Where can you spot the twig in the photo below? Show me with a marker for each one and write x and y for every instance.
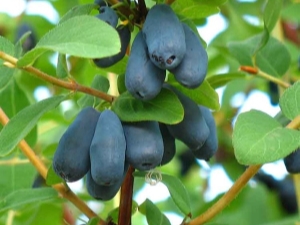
(255, 71)
(126, 199)
(236, 187)
(55, 81)
(42, 169)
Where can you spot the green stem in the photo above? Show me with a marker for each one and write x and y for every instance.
(273, 79)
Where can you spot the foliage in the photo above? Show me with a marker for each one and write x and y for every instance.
(243, 57)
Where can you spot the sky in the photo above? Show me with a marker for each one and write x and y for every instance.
(217, 174)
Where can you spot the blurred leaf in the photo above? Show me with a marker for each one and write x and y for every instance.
(52, 178)
(204, 95)
(153, 214)
(271, 15)
(290, 101)
(273, 59)
(6, 73)
(23, 197)
(220, 80)
(15, 176)
(121, 83)
(78, 10)
(13, 100)
(62, 67)
(291, 13)
(23, 122)
(165, 108)
(258, 138)
(100, 83)
(178, 193)
(81, 36)
(196, 9)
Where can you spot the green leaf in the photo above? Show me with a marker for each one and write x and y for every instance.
(22, 123)
(52, 177)
(6, 73)
(273, 59)
(271, 15)
(15, 177)
(220, 80)
(204, 95)
(153, 214)
(196, 9)
(100, 83)
(291, 13)
(62, 68)
(81, 36)
(258, 138)
(290, 101)
(121, 83)
(13, 100)
(23, 197)
(178, 193)
(165, 108)
(78, 10)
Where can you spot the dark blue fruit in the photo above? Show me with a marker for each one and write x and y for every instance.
(169, 144)
(144, 150)
(211, 144)
(108, 15)
(192, 70)
(104, 192)
(107, 152)
(143, 79)
(192, 130)
(30, 41)
(124, 34)
(72, 157)
(164, 36)
(292, 162)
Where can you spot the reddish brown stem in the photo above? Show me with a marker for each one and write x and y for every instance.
(126, 199)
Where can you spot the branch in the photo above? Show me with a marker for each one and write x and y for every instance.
(126, 199)
(11, 62)
(259, 73)
(42, 169)
(232, 193)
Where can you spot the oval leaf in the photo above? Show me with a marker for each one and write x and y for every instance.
(273, 59)
(165, 108)
(178, 193)
(22, 123)
(258, 138)
(82, 36)
(153, 215)
(290, 101)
